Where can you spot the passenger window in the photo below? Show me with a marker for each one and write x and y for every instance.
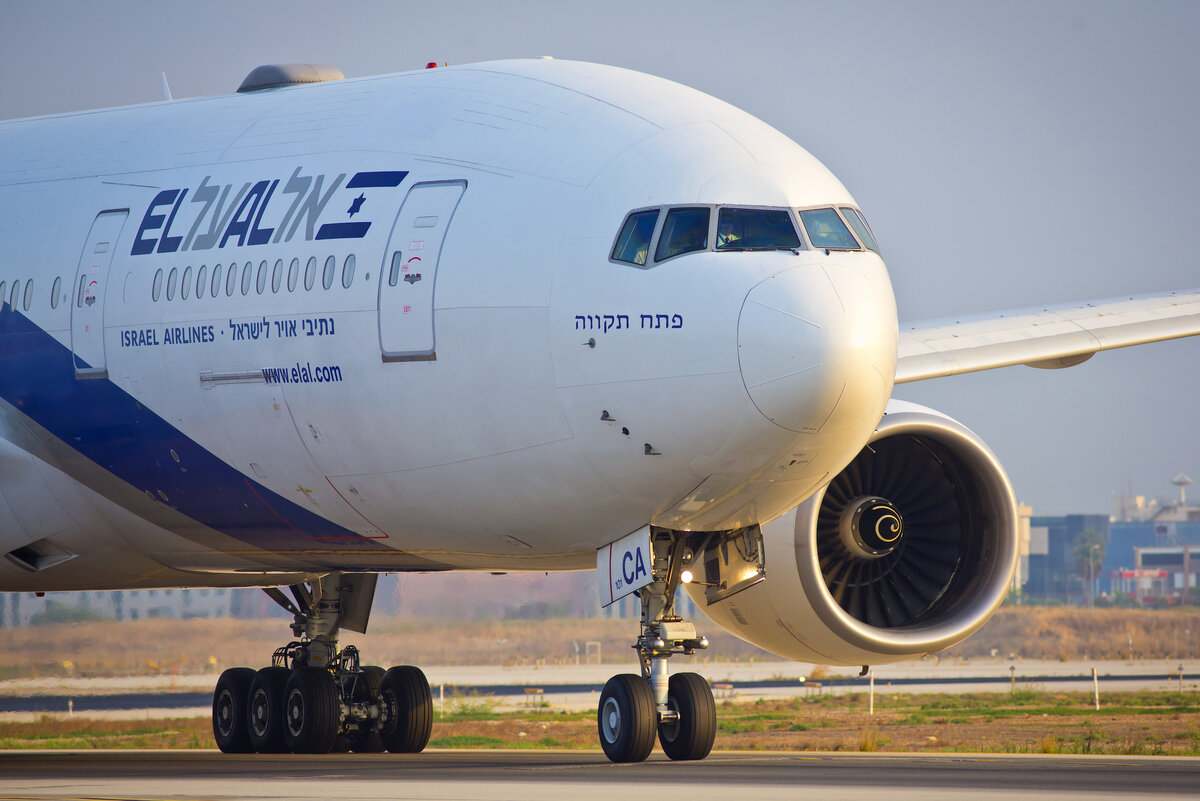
(215, 289)
(348, 271)
(247, 277)
(231, 279)
(28, 294)
(172, 279)
(859, 223)
(685, 231)
(4, 285)
(201, 281)
(327, 276)
(310, 272)
(394, 273)
(55, 291)
(261, 285)
(187, 282)
(277, 275)
(155, 292)
(756, 229)
(633, 243)
(826, 230)
(293, 274)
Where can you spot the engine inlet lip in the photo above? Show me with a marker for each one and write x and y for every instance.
(870, 527)
(954, 624)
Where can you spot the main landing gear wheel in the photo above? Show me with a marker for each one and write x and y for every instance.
(404, 694)
(365, 738)
(229, 711)
(690, 735)
(626, 718)
(265, 713)
(311, 711)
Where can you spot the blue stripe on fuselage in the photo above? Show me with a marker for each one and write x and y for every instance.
(366, 180)
(110, 427)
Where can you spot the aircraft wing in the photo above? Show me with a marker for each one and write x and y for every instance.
(1048, 337)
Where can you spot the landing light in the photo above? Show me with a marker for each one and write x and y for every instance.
(686, 577)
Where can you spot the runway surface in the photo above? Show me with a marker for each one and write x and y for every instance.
(584, 775)
(578, 688)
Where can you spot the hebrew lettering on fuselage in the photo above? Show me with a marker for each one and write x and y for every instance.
(617, 322)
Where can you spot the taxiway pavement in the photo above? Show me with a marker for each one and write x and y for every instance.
(587, 775)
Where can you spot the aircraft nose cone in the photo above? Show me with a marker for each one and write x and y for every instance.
(817, 347)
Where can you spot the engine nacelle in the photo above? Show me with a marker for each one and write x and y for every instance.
(906, 552)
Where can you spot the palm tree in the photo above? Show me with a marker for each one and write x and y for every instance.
(1088, 546)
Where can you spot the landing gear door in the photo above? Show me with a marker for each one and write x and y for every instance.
(408, 277)
(91, 287)
(732, 562)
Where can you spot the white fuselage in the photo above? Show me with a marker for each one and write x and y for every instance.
(508, 397)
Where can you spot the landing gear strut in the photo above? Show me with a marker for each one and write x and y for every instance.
(679, 708)
(315, 698)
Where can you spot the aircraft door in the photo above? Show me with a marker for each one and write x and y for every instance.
(91, 287)
(406, 282)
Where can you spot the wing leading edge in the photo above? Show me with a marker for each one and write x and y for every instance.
(1047, 337)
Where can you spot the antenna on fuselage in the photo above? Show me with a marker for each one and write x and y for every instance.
(166, 87)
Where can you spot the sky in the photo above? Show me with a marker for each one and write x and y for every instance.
(1007, 155)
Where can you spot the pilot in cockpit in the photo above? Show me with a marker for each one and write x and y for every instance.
(726, 236)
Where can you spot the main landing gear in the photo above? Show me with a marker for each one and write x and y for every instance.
(680, 708)
(315, 699)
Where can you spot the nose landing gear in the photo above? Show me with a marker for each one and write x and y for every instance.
(679, 708)
(314, 699)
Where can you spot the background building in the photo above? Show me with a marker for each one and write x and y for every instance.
(23, 609)
(1053, 574)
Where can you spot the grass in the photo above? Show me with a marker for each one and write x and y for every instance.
(467, 741)
(1029, 721)
(79, 733)
(469, 707)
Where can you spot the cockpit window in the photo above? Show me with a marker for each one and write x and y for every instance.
(684, 231)
(859, 223)
(826, 230)
(633, 243)
(755, 229)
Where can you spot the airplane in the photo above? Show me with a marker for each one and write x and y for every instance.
(522, 315)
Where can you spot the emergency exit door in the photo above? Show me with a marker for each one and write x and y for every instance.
(91, 287)
(408, 277)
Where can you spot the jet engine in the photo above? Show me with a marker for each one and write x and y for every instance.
(905, 552)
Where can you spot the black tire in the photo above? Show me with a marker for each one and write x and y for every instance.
(311, 711)
(229, 710)
(365, 739)
(626, 718)
(404, 694)
(264, 711)
(691, 735)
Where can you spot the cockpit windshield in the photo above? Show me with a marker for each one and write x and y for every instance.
(859, 223)
(756, 229)
(826, 230)
(648, 237)
(633, 243)
(684, 231)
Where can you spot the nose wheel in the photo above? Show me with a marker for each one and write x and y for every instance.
(691, 733)
(627, 718)
(679, 708)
